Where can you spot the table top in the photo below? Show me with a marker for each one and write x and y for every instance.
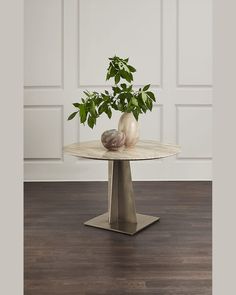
(143, 150)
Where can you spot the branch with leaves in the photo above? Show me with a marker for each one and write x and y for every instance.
(122, 98)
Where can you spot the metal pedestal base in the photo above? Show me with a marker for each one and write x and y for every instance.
(128, 228)
(121, 216)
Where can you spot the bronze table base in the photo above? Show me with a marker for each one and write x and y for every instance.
(121, 216)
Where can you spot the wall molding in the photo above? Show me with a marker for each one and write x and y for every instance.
(177, 107)
(49, 160)
(178, 84)
(61, 86)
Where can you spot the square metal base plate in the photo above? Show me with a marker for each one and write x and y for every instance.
(143, 221)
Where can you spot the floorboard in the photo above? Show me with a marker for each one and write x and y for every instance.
(64, 257)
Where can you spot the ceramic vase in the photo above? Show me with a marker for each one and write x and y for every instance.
(130, 127)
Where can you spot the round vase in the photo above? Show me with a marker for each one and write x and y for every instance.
(130, 127)
(113, 139)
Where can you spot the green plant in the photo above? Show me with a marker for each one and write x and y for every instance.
(123, 97)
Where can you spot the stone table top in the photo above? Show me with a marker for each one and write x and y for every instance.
(143, 150)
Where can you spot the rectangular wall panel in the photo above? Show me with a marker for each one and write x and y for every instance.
(43, 43)
(151, 124)
(125, 28)
(194, 131)
(194, 48)
(43, 137)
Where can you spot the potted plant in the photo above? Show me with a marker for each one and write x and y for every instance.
(122, 98)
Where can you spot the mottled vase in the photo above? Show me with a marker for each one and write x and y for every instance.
(113, 139)
(129, 125)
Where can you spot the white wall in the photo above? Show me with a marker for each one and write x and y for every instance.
(67, 44)
(224, 141)
(11, 130)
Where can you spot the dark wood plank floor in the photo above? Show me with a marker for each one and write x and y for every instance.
(171, 257)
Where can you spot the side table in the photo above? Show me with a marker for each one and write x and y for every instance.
(121, 215)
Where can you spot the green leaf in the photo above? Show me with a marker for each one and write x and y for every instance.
(144, 97)
(114, 106)
(132, 69)
(130, 103)
(82, 109)
(120, 65)
(122, 96)
(109, 69)
(126, 76)
(145, 88)
(144, 108)
(76, 104)
(123, 85)
(113, 72)
(126, 68)
(129, 89)
(82, 118)
(82, 113)
(91, 121)
(149, 104)
(109, 113)
(117, 78)
(87, 93)
(116, 90)
(151, 95)
(134, 101)
(98, 99)
(92, 109)
(72, 116)
(101, 109)
(128, 95)
(135, 113)
(120, 107)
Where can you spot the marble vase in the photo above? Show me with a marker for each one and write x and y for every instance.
(130, 127)
(113, 139)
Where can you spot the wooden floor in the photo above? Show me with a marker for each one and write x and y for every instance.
(171, 257)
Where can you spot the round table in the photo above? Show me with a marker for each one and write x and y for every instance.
(121, 215)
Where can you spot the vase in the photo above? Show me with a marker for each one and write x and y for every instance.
(130, 127)
(113, 139)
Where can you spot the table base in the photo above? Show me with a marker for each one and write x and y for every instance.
(102, 221)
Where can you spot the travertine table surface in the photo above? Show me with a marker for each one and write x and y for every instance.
(144, 150)
(121, 216)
